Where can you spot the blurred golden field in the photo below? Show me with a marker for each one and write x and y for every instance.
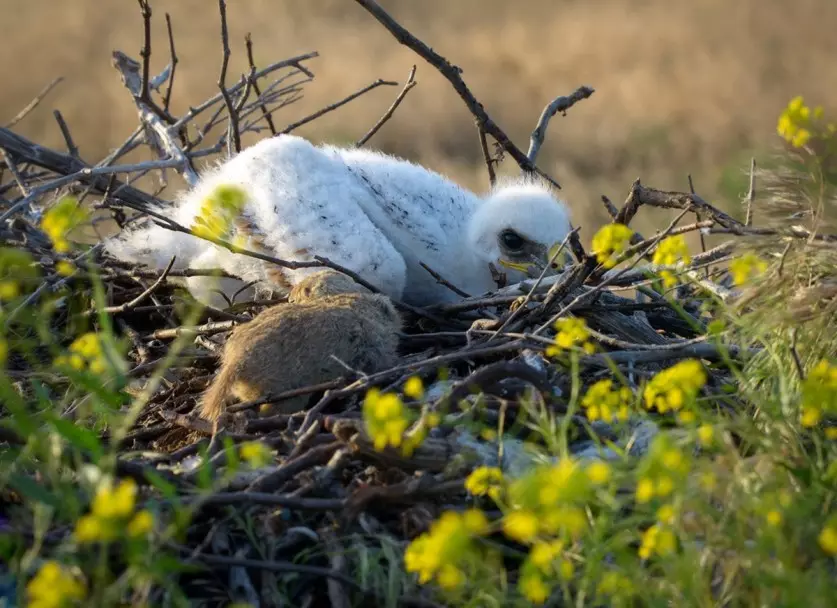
(681, 87)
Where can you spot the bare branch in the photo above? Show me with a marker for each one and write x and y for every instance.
(162, 137)
(452, 74)
(34, 103)
(268, 117)
(751, 194)
(65, 132)
(388, 114)
(225, 47)
(338, 104)
(559, 104)
(174, 60)
(486, 156)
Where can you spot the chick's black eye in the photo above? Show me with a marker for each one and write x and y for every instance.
(512, 240)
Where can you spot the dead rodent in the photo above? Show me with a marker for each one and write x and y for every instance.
(291, 345)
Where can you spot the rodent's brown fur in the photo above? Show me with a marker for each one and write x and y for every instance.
(288, 346)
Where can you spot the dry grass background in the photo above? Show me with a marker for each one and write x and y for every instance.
(681, 87)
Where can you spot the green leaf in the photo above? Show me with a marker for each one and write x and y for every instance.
(80, 437)
(33, 491)
(167, 489)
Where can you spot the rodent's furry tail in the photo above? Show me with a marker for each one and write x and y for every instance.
(154, 246)
(213, 403)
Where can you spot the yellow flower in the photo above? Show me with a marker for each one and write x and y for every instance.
(9, 290)
(521, 526)
(669, 252)
(64, 268)
(666, 514)
(54, 586)
(141, 524)
(746, 267)
(543, 554)
(450, 577)
(218, 212)
(566, 520)
(644, 490)
(659, 540)
(111, 503)
(676, 386)
(255, 454)
(485, 481)
(89, 529)
(706, 434)
(414, 388)
(828, 538)
(572, 331)
(533, 588)
(599, 472)
(18, 272)
(475, 522)
(773, 517)
(386, 419)
(609, 242)
(615, 584)
(603, 402)
(60, 219)
(819, 394)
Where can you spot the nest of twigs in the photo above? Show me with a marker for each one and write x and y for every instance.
(327, 483)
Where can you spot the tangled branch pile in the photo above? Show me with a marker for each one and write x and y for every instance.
(603, 361)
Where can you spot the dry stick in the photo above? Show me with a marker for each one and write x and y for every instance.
(338, 104)
(443, 281)
(486, 156)
(65, 133)
(291, 62)
(388, 114)
(611, 209)
(751, 193)
(19, 180)
(164, 138)
(606, 282)
(268, 117)
(225, 49)
(145, 53)
(297, 392)
(174, 60)
(452, 74)
(127, 306)
(34, 103)
(559, 104)
(697, 217)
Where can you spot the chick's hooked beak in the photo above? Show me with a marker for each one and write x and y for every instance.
(554, 257)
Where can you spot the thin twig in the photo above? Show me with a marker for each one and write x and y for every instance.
(452, 74)
(442, 281)
(174, 60)
(388, 114)
(268, 117)
(34, 103)
(751, 194)
(65, 132)
(225, 48)
(559, 104)
(338, 104)
(486, 156)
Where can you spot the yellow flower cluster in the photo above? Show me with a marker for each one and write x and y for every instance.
(572, 331)
(615, 584)
(662, 471)
(819, 395)
(544, 560)
(255, 454)
(772, 506)
(657, 539)
(85, 352)
(448, 550)
(745, 268)
(54, 587)
(604, 402)
(60, 219)
(609, 242)
(486, 481)
(385, 418)
(795, 122)
(218, 211)
(827, 538)
(669, 251)
(112, 514)
(414, 388)
(548, 501)
(675, 388)
(17, 270)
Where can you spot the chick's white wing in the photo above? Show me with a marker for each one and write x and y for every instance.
(302, 204)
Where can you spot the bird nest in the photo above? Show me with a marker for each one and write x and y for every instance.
(327, 499)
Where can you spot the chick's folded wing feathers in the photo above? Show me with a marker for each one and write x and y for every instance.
(301, 204)
(423, 211)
